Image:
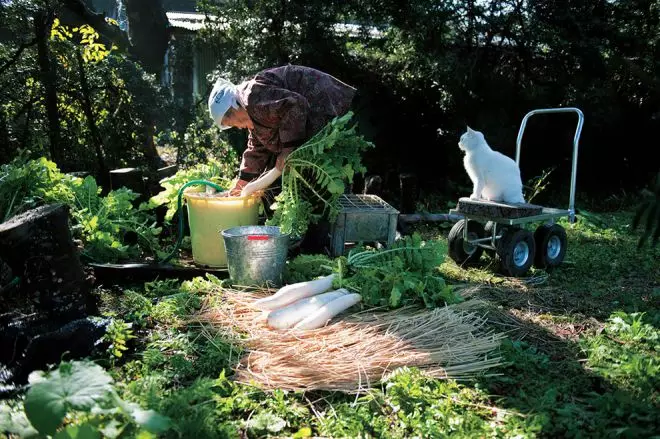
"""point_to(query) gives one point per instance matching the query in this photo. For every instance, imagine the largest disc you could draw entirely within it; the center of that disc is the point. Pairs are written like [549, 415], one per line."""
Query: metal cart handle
[576, 140]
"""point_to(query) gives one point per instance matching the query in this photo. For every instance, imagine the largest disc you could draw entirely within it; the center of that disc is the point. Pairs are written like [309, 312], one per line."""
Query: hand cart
[498, 228]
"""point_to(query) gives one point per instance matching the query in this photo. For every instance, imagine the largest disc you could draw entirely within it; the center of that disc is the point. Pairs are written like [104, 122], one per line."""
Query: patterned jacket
[287, 105]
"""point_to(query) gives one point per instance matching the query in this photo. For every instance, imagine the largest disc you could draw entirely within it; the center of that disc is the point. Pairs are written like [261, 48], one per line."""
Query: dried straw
[356, 352]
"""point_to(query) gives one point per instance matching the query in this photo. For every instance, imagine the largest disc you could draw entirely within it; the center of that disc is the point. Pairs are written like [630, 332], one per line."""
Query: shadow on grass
[548, 379]
[565, 372]
[603, 272]
[547, 385]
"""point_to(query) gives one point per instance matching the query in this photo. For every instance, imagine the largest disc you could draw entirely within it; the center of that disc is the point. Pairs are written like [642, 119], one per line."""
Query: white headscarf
[222, 97]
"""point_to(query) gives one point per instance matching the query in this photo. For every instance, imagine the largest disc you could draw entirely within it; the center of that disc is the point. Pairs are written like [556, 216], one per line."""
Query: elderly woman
[281, 107]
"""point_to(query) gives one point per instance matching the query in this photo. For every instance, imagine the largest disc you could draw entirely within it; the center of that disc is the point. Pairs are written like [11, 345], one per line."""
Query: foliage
[82, 388]
[201, 141]
[104, 100]
[118, 334]
[28, 184]
[537, 185]
[413, 405]
[315, 175]
[565, 375]
[403, 274]
[248, 37]
[557, 397]
[304, 267]
[213, 170]
[110, 227]
[106, 223]
[92, 50]
[627, 354]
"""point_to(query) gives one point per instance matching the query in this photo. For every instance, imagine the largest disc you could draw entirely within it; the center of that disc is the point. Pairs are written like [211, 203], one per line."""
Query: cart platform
[497, 209]
[502, 213]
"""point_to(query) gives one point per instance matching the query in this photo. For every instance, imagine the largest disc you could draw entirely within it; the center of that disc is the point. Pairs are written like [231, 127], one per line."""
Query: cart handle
[576, 141]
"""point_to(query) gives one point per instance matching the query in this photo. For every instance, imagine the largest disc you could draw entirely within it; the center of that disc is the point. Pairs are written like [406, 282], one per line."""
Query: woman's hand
[261, 183]
[238, 187]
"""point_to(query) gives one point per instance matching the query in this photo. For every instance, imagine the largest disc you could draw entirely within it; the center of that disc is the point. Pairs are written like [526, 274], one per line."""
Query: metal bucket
[256, 255]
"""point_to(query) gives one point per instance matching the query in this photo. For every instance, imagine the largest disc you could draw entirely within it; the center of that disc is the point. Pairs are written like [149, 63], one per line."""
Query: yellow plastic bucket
[209, 214]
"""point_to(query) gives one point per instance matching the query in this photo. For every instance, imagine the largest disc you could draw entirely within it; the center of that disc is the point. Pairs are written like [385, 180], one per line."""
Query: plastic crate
[362, 218]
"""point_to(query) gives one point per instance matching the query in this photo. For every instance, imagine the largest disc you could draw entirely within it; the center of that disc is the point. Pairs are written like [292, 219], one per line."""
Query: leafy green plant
[632, 327]
[403, 274]
[264, 423]
[104, 223]
[110, 227]
[28, 184]
[412, 405]
[118, 334]
[132, 307]
[160, 288]
[100, 102]
[315, 175]
[86, 390]
[627, 353]
[537, 185]
[215, 171]
[201, 141]
[305, 267]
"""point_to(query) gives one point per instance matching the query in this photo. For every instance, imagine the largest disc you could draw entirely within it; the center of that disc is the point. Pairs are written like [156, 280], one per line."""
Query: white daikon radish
[262, 182]
[328, 311]
[289, 315]
[291, 293]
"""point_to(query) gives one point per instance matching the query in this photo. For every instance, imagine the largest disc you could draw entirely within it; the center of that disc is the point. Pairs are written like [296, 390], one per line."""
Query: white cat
[495, 176]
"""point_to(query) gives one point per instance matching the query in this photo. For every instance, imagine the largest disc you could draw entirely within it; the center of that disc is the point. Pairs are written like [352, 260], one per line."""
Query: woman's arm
[255, 159]
[253, 163]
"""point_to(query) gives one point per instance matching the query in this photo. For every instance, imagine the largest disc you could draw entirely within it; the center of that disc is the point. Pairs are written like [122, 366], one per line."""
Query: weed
[118, 334]
[581, 360]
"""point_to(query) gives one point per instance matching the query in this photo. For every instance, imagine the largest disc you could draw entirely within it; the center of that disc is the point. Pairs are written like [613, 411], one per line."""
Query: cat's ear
[470, 130]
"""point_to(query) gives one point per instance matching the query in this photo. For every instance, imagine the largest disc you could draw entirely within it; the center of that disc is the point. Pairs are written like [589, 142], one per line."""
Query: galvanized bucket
[256, 255]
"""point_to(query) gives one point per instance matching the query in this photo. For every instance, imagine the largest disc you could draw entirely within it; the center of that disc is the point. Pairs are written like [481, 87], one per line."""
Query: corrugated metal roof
[187, 20]
[194, 21]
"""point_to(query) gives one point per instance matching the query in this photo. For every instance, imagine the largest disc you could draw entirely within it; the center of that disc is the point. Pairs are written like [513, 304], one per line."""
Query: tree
[70, 93]
[147, 41]
[43, 20]
[147, 37]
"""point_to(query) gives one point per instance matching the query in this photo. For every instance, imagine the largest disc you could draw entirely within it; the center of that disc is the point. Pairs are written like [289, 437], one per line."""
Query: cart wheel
[550, 245]
[460, 251]
[488, 232]
[515, 251]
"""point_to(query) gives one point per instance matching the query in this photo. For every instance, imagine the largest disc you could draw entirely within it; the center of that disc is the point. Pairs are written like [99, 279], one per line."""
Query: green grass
[581, 359]
[585, 340]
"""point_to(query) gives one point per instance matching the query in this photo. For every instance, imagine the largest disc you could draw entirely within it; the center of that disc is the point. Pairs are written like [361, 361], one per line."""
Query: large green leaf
[336, 187]
[15, 422]
[266, 422]
[395, 296]
[84, 431]
[150, 420]
[73, 386]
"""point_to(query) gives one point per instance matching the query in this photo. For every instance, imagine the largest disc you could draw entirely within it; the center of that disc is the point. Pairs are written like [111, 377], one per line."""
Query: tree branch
[14, 58]
[97, 21]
